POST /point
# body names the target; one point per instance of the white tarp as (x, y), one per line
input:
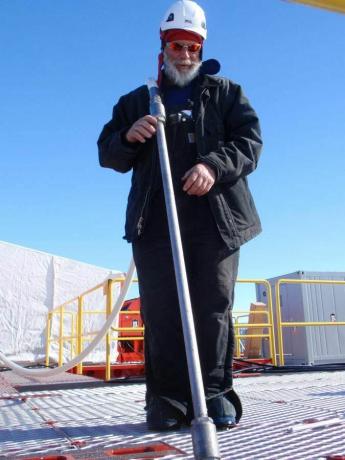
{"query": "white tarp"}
(33, 283)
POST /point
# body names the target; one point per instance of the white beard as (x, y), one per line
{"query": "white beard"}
(180, 78)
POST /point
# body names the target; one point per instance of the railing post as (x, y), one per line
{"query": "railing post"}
(237, 339)
(61, 332)
(80, 332)
(72, 340)
(279, 325)
(48, 333)
(109, 307)
(272, 339)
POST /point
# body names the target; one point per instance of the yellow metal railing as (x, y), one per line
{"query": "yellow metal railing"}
(239, 336)
(61, 338)
(281, 324)
(74, 309)
(247, 325)
(77, 335)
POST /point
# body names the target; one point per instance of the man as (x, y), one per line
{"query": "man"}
(214, 142)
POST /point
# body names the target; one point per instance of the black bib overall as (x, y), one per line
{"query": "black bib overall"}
(211, 270)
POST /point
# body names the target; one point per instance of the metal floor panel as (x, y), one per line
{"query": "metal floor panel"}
(29, 433)
(278, 411)
(23, 440)
(89, 411)
(37, 383)
(17, 414)
(91, 397)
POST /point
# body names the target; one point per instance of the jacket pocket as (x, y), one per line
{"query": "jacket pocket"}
(222, 213)
(240, 204)
(226, 211)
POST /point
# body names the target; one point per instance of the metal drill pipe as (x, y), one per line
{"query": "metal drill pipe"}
(204, 435)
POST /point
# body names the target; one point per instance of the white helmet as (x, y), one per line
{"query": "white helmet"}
(185, 15)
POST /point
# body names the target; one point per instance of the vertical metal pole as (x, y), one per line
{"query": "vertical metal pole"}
(279, 326)
(80, 332)
(204, 435)
(108, 336)
(48, 333)
(61, 336)
(271, 320)
(237, 338)
(72, 339)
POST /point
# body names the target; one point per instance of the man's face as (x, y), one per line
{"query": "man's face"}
(182, 61)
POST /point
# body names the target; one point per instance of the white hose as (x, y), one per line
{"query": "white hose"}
(19, 370)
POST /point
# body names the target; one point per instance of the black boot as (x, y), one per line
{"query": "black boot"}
(162, 416)
(222, 411)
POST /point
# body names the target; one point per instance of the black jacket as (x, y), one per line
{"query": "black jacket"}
(227, 138)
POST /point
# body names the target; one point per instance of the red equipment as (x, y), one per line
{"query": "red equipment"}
(131, 350)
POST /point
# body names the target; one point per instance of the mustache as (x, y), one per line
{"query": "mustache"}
(182, 62)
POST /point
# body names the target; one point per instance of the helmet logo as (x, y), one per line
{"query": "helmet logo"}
(170, 17)
(188, 21)
(203, 25)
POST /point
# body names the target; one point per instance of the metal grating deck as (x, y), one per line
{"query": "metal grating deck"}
(281, 415)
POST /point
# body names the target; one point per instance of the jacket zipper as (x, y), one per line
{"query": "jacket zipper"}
(141, 220)
(140, 224)
(205, 94)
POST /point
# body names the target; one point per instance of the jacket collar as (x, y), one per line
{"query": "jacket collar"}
(208, 81)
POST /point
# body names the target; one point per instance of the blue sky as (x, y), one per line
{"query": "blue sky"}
(63, 66)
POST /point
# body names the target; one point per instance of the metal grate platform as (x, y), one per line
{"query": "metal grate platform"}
(282, 415)
(62, 381)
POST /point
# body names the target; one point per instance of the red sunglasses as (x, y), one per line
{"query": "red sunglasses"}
(175, 46)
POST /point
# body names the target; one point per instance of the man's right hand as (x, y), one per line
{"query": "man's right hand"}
(142, 129)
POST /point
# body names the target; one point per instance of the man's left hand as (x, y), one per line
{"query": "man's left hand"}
(198, 180)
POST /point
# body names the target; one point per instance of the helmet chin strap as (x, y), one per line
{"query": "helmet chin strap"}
(160, 67)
